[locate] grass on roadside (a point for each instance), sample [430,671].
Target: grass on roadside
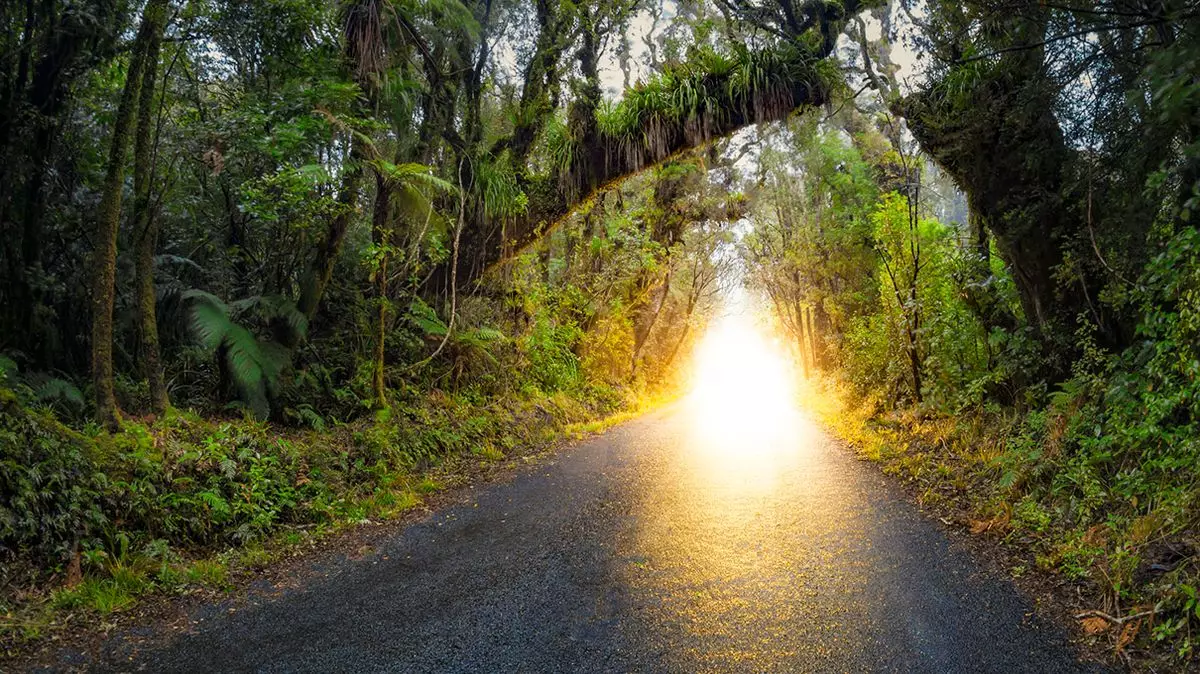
[1119,558]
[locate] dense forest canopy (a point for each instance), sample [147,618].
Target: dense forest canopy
[217,159]
[264,145]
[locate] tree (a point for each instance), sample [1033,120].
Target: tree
[257,148]
[406,194]
[145,228]
[1007,114]
[104,257]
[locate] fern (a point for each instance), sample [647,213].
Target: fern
[412,185]
[42,388]
[466,343]
[426,318]
[50,391]
[478,342]
[499,194]
[255,365]
[55,390]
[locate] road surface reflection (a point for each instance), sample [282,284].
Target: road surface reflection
[735,553]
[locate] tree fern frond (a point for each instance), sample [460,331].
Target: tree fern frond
[413,203]
[278,307]
[490,334]
[425,178]
[411,174]
[55,391]
[244,357]
[273,358]
[239,307]
[426,318]
[254,365]
[209,318]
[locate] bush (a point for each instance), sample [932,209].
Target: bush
[548,346]
[50,489]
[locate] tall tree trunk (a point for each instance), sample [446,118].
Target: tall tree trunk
[67,43]
[146,233]
[1008,152]
[693,300]
[810,322]
[539,92]
[380,229]
[980,292]
[914,361]
[797,313]
[104,259]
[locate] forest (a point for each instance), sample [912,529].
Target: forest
[271,269]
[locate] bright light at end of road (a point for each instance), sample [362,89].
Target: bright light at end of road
[742,393]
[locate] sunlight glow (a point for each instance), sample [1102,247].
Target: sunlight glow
[742,397]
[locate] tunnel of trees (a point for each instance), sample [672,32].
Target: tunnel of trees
[334,240]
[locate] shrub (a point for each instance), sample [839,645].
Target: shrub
[49,487]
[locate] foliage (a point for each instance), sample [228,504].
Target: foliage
[357,247]
[401,243]
[1025,351]
[703,92]
[136,505]
[255,364]
[51,488]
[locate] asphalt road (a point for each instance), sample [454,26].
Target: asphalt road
[679,542]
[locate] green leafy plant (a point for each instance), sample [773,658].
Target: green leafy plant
[51,486]
[255,364]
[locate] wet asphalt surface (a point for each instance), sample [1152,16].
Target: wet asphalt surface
[673,543]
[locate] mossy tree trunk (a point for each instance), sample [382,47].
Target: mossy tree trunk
[1010,157]
[380,231]
[539,88]
[56,50]
[145,219]
[104,259]
[644,319]
[320,270]
[994,129]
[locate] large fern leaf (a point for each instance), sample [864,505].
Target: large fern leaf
[245,361]
[426,318]
[412,174]
[209,318]
[255,365]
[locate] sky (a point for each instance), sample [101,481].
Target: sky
[642,26]
[910,63]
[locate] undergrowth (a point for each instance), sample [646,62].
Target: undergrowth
[1120,535]
[91,522]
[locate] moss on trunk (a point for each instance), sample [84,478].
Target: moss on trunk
[104,260]
[146,232]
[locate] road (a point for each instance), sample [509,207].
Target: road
[678,542]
